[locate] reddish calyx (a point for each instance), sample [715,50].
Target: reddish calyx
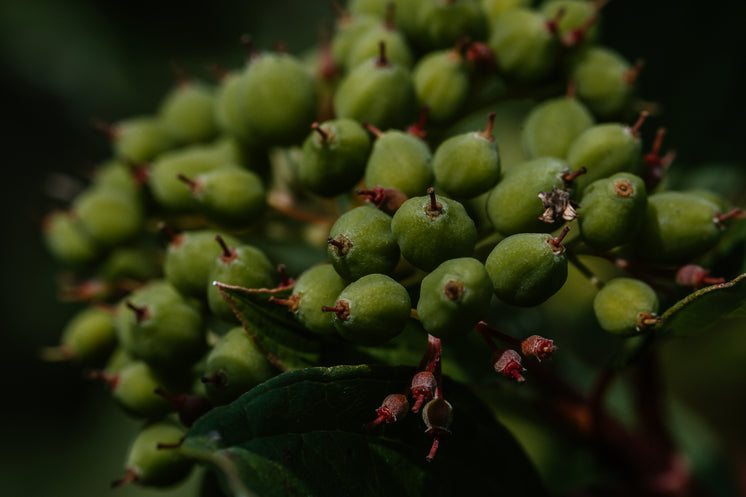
[292,302]
[111,380]
[657,165]
[387,199]
[539,347]
[556,243]
[342,309]
[393,408]
[696,277]
[423,388]
[418,129]
[481,56]
[552,24]
[194,185]
[508,364]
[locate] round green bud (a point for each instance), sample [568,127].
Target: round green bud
[625,306]
[187,113]
[361,242]
[432,229]
[316,287]
[612,210]
[372,310]
[527,268]
[454,297]
[553,125]
[334,157]
[400,160]
[234,366]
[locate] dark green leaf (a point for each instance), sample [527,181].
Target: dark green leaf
[301,434]
[286,344]
[705,308]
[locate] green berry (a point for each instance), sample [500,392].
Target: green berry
[371,310]
[432,229]
[524,45]
[399,160]
[278,99]
[234,366]
[88,338]
[163,178]
[157,325]
[349,29]
[604,80]
[334,157]
[454,297]
[188,112]
[138,139]
[188,259]
[315,288]
[229,196]
[109,218]
[514,205]
[378,92]
[677,227]
[578,22]
[606,149]
[441,24]
[367,46]
[149,465]
[553,125]
[527,268]
[361,242]
[468,164]
[441,82]
[242,265]
[66,239]
[625,306]
[612,210]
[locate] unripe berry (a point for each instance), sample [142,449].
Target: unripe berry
[371,310]
[625,306]
[527,268]
[432,229]
[454,297]
[361,242]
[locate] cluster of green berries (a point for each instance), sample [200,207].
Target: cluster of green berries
[422,222]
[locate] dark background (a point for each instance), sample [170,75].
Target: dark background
[64,62]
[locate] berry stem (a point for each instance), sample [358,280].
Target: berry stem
[728,215]
[583,269]
[129,477]
[553,24]
[487,133]
[325,139]
[569,177]
[141,312]
[556,243]
[433,449]
[418,129]
[375,131]
[632,74]
[382,61]
[635,129]
[229,254]
[486,331]
[190,182]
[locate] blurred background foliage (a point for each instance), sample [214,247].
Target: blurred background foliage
[66,62]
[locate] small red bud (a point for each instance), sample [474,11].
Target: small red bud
[696,277]
[423,388]
[393,408]
[509,365]
[539,347]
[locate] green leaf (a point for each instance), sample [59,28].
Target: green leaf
[286,344]
[301,433]
[705,308]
